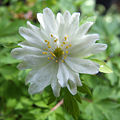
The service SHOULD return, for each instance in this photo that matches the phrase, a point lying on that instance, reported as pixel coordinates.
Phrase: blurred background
(17, 104)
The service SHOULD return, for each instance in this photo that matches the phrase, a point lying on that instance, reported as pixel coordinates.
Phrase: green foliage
(97, 99)
(103, 67)
(70, 104)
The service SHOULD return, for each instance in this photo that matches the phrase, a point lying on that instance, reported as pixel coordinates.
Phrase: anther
(63, 61)
(63, 52)
(65, 57)
(66, 52)
(48, 43)
(67, 47)
(61, 45)
(49, 46)
(55, 40)
(65, 38)
(52, 58)
(63, 42)
(70, 45)
(52, 54)
(46, 40)
(46, 49)
(44, 53)
(56, 61)
(51, 35)
(48, 58)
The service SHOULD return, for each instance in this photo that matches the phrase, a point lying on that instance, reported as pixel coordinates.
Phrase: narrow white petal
(94, 49)
(36, 88)
(83, 43)
(19, 53)
(29, 35)
(40, 19)
(61, 26)
(49, 21)
(56, 87)
(75, 20)
(62, 75)
(97, 48)
(73, 25)
(72, 87)
(84, 28)
(67, 16)
(68, 78)
(41, 78)
(32, 61)
(82, 65)
(33, 27)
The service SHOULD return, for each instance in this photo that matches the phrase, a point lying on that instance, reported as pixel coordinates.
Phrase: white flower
(55, 52)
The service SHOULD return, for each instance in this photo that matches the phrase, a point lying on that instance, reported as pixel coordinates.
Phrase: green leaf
(84, 89)
(78, 97)
(70, 105)
(103, 67)
(51, 99)
(59, 117)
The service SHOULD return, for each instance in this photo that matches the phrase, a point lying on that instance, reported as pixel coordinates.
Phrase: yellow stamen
(56, 61)
(52, 54)
(46, 40)
(46, 49)
(52, 58)
(63, 52)
(44, 53)
(65, 37)
(55, 40)
(49, 46)
(61, 45)
(63, 42)
(63, 61)
(70, 45)
(48, 58)
(48, 43)
(67, 47)
(65, 57)
(66, 52)
(51, 35)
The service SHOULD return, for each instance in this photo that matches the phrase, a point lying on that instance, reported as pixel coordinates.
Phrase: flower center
(58, 53)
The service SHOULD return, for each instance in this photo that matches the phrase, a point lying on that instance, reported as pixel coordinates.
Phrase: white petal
(49, 21)
(61, 26)
(62, 75)
(40, 19)
(19, 53)
(97, 48)
(33, 27)
(72, 87)
(41, 78)
(32, 61)
(81, 44)
(35, 88)
(56, 86)
(82, 65)
(54, 82)
(68, 78)
(94, 49)
(31, 36)
(84, 28)
(73, 25)
(67, 16)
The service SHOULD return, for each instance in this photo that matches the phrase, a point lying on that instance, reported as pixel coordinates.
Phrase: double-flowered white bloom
(55, 52)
